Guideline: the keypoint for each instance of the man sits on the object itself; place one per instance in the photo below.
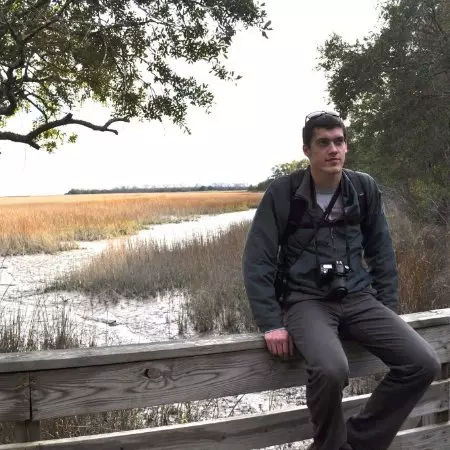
(341, 282)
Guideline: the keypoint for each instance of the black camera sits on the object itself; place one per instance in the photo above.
(334, 275)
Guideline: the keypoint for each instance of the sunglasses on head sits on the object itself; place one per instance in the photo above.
(317, 114)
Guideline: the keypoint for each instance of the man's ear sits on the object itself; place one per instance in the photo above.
(306, 151)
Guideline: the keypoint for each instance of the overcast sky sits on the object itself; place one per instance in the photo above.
(252, 126)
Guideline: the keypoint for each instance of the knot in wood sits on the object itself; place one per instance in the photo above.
(153, 373)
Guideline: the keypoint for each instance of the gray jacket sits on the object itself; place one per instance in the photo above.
(372, 258)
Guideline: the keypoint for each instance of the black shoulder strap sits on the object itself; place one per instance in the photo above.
(296, 179)
(357, 180)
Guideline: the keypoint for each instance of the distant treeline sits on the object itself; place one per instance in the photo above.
(278, 171)
(260, 187)
(136, 190)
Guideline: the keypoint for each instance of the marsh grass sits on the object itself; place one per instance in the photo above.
(41, 330)
(207, 269)
(51, 224)
(423, 259)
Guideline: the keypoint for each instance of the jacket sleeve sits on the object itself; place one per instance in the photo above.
(379, 251)
(259, 264)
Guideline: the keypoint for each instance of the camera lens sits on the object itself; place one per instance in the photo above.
(338, 290)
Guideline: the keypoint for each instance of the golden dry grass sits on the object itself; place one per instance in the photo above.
(205, 268)
(423, 260)
(49, 224)
(208, 270)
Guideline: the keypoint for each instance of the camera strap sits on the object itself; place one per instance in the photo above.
(324, 217)
(339, 190)
(327, 211)
(281, 278)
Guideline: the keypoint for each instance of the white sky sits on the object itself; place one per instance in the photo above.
(252, 126)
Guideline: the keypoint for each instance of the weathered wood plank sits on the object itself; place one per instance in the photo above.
(244, 432)
(63, 392)
(433, 437)
(428, 318)
(56, 359)
(14, 397)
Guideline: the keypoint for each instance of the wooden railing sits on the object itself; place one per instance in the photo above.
(51, 384)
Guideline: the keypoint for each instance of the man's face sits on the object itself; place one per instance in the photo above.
(327, 151)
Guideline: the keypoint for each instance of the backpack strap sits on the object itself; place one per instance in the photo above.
(295, 206)
(360, 184)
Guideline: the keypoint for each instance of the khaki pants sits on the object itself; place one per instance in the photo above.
(316, 328)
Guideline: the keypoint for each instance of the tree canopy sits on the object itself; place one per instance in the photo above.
(394, 87)
(57, 54)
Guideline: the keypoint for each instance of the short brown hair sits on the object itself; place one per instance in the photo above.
(323, 119)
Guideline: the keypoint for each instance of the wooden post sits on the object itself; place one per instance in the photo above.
(27, 431)
(443, 416)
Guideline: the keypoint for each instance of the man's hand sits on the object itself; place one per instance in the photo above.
(279, 343)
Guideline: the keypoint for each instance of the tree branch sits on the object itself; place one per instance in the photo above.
(6, 88)
(26, 96)
(66, 120)
(34, 8)
(49, 22)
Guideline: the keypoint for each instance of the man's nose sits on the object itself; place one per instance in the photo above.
(332, 148)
